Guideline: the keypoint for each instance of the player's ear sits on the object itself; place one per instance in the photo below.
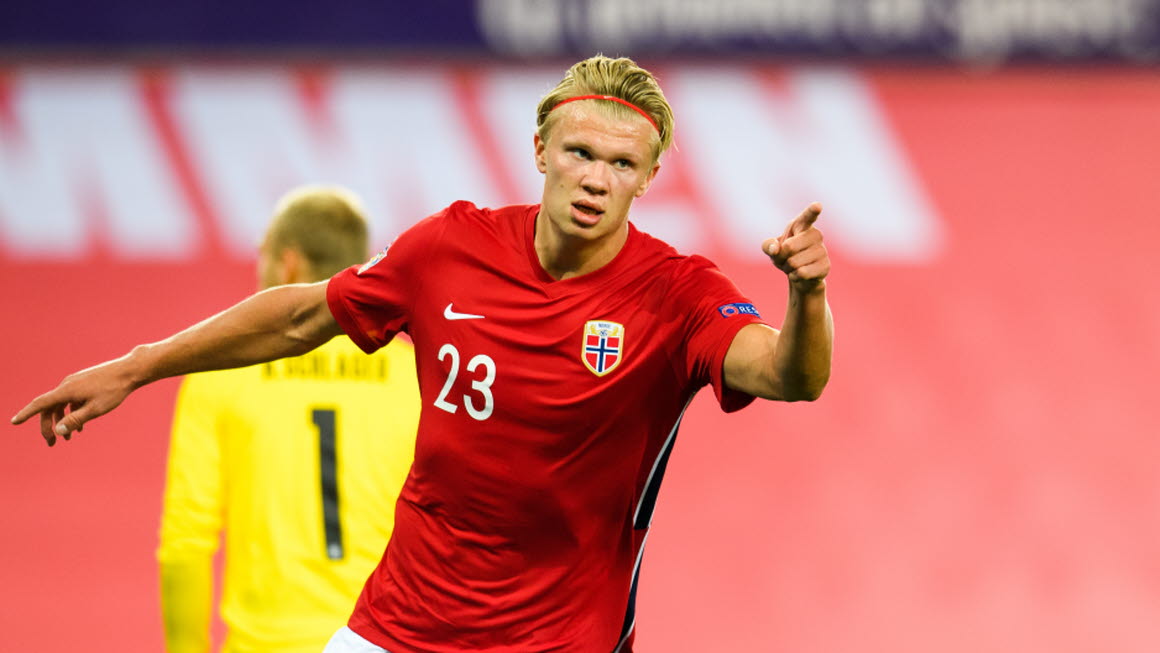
(643, 188)
(541, 161)
(291, 266)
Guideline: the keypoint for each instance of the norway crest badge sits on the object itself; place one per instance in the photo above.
(603, 346)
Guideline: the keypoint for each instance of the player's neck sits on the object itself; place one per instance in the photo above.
(563, 256)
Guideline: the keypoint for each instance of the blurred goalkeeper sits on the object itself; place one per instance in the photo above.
(299, 461)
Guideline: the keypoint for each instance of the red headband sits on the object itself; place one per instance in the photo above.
(626, 103)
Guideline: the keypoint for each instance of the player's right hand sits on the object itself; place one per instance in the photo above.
(79, 398)
(799, 251)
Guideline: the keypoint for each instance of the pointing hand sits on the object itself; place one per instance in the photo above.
(799, 251)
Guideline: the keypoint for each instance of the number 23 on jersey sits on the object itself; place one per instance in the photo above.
(481, 386)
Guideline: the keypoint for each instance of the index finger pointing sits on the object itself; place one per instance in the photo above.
(23, 415)
(37, 405)
(806, 218)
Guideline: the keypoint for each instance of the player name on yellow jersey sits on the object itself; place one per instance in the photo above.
(329, 365)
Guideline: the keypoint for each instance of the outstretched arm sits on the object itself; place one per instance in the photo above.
(792, 364)
(275, 323)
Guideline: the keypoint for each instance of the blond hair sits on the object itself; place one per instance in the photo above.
(621, 78)
(326, 224)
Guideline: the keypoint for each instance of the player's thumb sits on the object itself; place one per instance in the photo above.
(75, 420)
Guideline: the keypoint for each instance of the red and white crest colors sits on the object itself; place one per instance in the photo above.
(603, 346)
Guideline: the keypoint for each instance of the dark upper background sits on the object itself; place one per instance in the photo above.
(981, 31)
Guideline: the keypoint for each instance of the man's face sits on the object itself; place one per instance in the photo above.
(594, 166)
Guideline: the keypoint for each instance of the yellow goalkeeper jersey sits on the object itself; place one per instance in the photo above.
(299, 462)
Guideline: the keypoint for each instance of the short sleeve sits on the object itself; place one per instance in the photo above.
(373, 302)
(712, 311)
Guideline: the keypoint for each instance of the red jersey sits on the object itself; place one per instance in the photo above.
(549, 411)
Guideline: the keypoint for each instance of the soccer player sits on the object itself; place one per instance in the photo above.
(299, 460)
(557, 347)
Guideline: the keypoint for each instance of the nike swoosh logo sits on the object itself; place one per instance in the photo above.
(452, 315)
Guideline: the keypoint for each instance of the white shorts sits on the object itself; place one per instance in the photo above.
(348, 641)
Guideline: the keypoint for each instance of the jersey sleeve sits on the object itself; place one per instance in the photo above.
(191, 520)
(373, 302)
(192, 515)
(712, 311)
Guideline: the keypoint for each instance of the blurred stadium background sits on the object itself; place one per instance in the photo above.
(983, 473)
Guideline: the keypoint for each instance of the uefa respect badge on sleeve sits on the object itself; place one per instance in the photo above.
(374, 261)
(729, 310)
